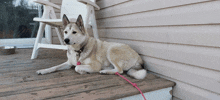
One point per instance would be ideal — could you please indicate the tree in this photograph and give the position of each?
(15, 21)
(4, 16)
(6, 2)
(3, 21)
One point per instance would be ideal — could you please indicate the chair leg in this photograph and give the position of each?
(87, 16)
(38, 40)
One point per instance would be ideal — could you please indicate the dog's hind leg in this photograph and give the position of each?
(113, 58)
(62, 66)
(112, 71)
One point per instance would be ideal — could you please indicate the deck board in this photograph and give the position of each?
(18, 80)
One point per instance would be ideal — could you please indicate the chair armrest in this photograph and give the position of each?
(90, 3)
(43, 2)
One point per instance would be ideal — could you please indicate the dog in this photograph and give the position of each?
(95, 55)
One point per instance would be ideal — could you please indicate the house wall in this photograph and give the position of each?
(178, 39)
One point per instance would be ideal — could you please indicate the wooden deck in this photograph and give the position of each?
(19, 81)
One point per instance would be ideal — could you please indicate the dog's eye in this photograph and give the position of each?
(65, 32)
(74, 32)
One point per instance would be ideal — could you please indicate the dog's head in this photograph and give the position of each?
(74, 33)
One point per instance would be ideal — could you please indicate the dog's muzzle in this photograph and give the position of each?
(67, 41)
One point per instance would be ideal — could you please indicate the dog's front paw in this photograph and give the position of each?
(113, 71)
(43, 71)
(107, 72)
(40, 72)
(103, 72)
(80, 71)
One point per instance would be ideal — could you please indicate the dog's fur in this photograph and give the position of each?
(96, 55)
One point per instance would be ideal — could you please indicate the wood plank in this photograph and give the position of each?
(136, 6)
(204, 13)
(175, 98)
(14, 69)
(29, 67)
(58, 80)
(34, 77)
(107, 3)
(92, 84)
(185, 73)
(189, 92)
(203, 57)
(13, 63)
(204, 35)
(33, 86)
(116, 92)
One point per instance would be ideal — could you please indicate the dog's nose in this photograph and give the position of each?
(67, 41)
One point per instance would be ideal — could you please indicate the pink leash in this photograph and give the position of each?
(134, 84)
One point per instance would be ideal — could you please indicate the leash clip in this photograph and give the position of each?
(78, 63)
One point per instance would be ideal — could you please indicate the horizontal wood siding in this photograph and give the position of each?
(202, 35)
(201, 13)
(178, 40)
(108, 3)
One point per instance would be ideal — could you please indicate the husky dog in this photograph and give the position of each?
(95, 55)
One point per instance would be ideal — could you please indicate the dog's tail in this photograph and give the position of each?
(137, 74)
(138, 71)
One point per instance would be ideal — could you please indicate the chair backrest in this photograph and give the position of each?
(73, 8)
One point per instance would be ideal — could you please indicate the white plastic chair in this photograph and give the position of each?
(49, 18)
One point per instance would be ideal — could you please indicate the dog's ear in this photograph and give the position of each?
(80, 25)
(65, 21)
